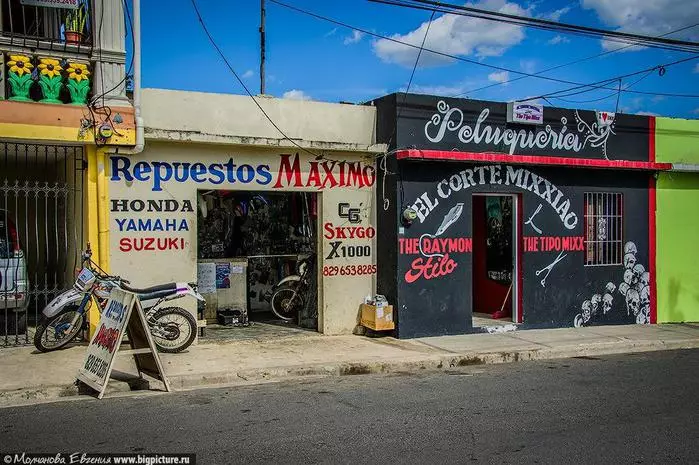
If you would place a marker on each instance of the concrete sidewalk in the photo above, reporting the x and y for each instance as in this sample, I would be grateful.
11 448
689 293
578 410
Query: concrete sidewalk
27 376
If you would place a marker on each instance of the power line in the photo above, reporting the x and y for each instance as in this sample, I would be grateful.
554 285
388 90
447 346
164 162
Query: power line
625 37
467 60
600 84
570 63
382 163
240 81
419 52
614 94
128 72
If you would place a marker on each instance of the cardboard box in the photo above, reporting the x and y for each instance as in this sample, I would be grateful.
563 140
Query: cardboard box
378 319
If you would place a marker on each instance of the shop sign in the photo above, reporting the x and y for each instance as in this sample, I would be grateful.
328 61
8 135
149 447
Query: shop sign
424 204
484 132
290 173
65 4
520 128
323 174
345 211
122 313
107 338
605 118
525 113
348 232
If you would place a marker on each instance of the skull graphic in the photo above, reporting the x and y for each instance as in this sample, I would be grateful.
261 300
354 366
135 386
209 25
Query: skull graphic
586 311
610 287
623 288
629 260
645 278
595 301
633 302
607 301
645 295
630 247
628 277
643 317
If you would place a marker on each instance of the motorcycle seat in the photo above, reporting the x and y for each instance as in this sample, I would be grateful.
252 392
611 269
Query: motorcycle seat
153 292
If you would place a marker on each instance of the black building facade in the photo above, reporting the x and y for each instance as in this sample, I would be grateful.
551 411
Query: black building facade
547 223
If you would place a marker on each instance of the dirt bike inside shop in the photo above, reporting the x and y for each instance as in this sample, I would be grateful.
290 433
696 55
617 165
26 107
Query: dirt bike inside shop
255 262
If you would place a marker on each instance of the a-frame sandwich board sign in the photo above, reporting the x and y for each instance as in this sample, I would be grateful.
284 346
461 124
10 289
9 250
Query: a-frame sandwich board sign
123 312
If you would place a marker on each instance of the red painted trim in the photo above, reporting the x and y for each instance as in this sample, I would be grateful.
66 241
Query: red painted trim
652 250
651 139
529 159
520 256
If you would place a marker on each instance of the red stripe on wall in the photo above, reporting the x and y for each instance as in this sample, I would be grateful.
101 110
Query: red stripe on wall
530 159
652 226
652 251
651 139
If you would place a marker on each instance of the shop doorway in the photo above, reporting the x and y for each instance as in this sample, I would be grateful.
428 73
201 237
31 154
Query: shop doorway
495 259
257 260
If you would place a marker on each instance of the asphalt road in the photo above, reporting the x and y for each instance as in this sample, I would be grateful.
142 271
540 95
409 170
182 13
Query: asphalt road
635 409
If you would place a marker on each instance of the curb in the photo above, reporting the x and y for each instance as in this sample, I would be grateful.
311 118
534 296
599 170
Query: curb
422 364
425 363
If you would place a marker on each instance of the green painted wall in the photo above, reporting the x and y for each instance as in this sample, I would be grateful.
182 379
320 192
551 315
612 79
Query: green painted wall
677 140
677 217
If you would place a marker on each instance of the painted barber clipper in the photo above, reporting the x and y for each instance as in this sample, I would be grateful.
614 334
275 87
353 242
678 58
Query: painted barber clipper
450 218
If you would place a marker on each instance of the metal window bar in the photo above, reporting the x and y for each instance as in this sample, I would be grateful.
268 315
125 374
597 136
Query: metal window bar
603 227
41 27
41 194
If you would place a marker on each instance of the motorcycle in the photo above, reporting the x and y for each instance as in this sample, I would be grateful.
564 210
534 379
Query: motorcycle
173 328
288 297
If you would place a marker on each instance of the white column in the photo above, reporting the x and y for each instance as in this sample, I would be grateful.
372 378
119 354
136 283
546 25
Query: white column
109 53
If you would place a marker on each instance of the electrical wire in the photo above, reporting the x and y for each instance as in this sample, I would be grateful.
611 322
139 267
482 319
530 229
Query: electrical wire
131 63
601 98
602 84
467 60
563 65
617 36
419 52
412 75
382 164
240 81
103 110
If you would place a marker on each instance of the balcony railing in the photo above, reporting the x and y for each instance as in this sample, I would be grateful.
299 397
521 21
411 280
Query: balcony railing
44 78
28 24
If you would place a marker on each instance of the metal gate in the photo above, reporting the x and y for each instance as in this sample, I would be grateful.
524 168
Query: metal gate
41 231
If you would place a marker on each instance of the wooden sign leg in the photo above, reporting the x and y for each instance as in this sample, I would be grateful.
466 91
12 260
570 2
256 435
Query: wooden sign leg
144 351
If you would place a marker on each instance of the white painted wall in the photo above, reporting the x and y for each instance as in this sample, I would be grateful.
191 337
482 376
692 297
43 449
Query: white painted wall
225 118
340 294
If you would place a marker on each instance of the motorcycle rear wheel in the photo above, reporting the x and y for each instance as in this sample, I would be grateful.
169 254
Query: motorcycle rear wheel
60 326
176 329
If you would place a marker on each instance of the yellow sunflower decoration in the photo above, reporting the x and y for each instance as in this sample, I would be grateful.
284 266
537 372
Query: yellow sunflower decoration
20 64
78 71
50 67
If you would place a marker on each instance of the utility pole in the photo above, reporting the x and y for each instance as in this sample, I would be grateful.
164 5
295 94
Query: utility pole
262 47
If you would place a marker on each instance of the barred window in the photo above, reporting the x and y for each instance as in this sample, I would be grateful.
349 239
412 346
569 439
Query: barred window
604 228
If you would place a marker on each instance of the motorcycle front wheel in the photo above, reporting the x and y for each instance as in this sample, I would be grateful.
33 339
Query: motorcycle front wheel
54 333
286 303
173 329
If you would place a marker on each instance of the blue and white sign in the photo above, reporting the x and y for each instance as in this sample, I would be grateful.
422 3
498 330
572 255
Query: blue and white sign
525 113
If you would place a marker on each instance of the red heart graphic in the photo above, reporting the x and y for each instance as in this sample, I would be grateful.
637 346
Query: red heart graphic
604 117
